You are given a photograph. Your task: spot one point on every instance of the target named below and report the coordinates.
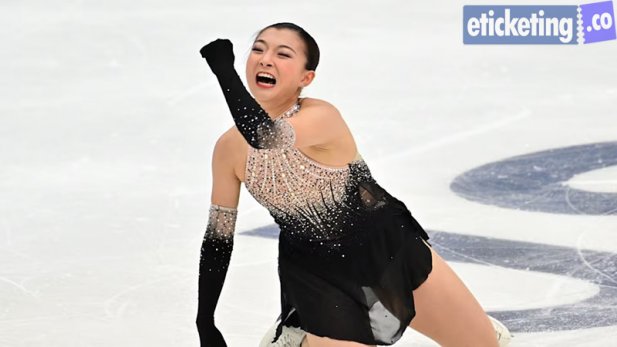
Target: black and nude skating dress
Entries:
(350, 254)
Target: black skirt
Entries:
(363, 291)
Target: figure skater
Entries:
(355, 267)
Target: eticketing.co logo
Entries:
(538, 24)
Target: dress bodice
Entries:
(292, 185)
(314, 205)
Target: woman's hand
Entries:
(219, 54)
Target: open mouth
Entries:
(265, 79)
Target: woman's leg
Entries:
(316, 341)
(448, 313)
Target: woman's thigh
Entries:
(317, 341)
(447, 312)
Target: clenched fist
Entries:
(219, 54)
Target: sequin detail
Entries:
(278, 134)
(217, 244)
(221, 222)
(310, 201)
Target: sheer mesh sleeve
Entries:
(221, 222)
(279, 134)
(255, 125)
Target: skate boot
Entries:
(290, 337)
(503, 334)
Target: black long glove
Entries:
(216, 251)
(255, 125)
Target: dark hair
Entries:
(312, 50)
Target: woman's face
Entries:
(275, 68)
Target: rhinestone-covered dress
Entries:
(350, 253)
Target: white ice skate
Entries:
(290, 337)
(503, 334)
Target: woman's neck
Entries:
(278, 107)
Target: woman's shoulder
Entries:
(314, 102)
(229, 136)
(230, 141)
(321, 107)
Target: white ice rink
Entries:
(107, 125)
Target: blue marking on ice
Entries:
(535, 182)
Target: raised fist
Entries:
(218, 53)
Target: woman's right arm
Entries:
(217, 244)
(320, 124)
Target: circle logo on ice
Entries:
(538, 181)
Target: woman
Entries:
(355, 267)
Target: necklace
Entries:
(293, 109)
